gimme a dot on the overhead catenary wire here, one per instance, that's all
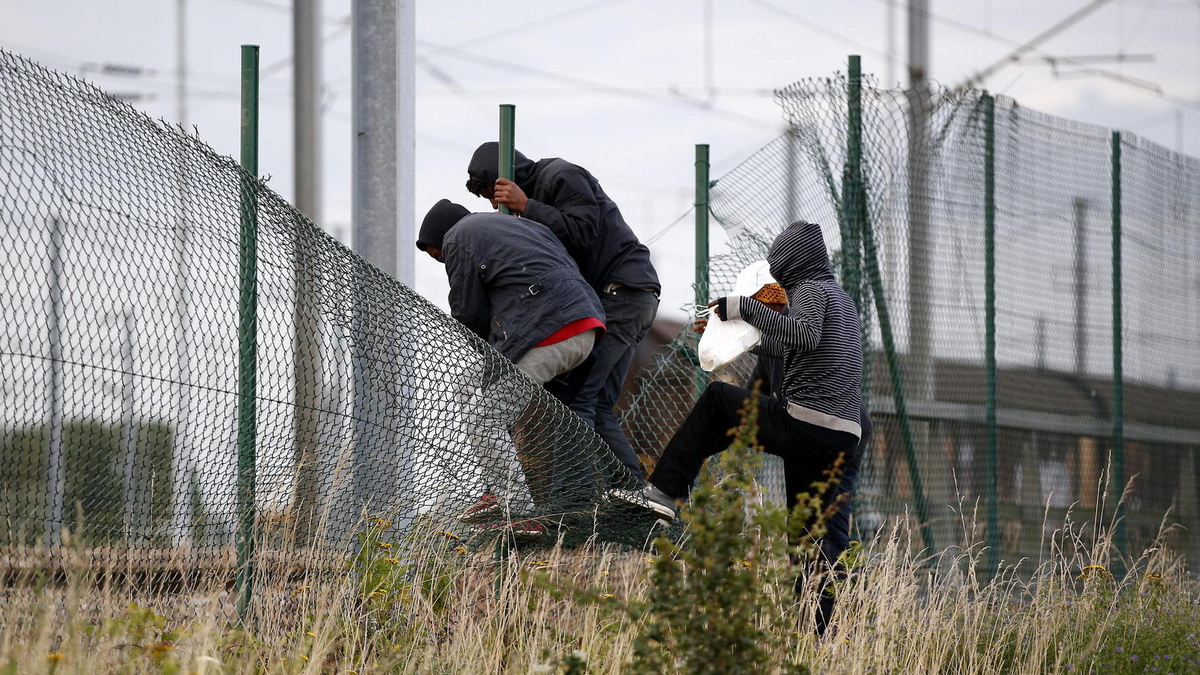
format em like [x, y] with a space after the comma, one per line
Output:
[599, 87]
[821, 30]
[1119, 78]
[659, 235]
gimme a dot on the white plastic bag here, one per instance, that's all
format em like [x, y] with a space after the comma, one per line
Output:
[724, 341]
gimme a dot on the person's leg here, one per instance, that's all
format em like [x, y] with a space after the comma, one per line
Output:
[702, 435]
[543, 364]
[837, 537]
[491, 415]
[629, 314]
[559, 473]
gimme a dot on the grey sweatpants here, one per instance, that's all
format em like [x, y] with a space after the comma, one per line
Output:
[546, 363]
[492, 411]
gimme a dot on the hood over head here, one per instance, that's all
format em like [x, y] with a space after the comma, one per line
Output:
[799, 254]
[485, 166]
[443, 216]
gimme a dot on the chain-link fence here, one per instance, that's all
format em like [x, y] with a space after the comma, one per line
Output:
[119, 434]
[1002, 449]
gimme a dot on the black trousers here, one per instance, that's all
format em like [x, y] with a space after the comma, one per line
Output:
[806, 449]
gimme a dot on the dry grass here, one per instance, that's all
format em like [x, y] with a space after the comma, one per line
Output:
[459, 612]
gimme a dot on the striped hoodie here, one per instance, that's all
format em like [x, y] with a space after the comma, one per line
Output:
[819, 340]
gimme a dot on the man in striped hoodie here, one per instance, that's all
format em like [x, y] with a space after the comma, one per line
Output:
[818, 417]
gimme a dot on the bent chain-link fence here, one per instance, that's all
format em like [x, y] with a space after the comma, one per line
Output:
[119, 432]
[119, 437]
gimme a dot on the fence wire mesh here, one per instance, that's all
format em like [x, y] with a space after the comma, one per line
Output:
[924, 181]
[121, 343]
[120, 371]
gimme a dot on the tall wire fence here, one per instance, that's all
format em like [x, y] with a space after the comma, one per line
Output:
[983, 242]
[121, 341]
[119, 428]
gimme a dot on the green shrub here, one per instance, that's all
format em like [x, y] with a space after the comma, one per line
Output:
[723, 600]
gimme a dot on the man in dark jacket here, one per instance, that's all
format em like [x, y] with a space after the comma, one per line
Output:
[817, 419]
[570, 202]
[513, 284]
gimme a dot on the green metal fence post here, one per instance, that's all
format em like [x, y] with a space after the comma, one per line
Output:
[247, 334]
[897, 381]
[508, 122]
[507, 170]
[1118, 412]
[848, 225]
[989, 285]
[701, 224]
[701, 210]
[853, 194]
[857, 233]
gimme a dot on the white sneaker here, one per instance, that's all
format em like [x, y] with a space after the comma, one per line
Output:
[650, 498]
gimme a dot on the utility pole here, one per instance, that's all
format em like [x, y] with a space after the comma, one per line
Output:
[890, 43]
[383, 72]
[919, 244]
[1079, 206]
[181, 62]
[793, 158]
[306, 341]
[306, 82]
[920, 380]
[375, 97]
[383, 141]
[709, 87]
[181, 469]
[132, 521]
[407, 149]
[1178, 131]
[56, 480]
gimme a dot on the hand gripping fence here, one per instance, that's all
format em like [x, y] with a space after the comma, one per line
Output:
[119, 437]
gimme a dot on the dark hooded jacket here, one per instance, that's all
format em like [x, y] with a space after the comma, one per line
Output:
[819, 339]
[569, 200]
[511, 281]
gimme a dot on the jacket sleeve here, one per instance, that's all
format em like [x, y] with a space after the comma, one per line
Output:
[469, 301]
[573, 214]
[799, 330]
[769, 348]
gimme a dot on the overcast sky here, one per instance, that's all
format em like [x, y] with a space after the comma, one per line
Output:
[617, 86]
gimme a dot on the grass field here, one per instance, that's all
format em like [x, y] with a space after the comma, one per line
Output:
[720, 601]
[897, 614]
[581, 610]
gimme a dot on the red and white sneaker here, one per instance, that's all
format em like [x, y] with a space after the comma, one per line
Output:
[526, 529]
[487, 508]
[521, 530]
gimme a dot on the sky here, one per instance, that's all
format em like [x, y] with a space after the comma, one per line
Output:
[618, 86]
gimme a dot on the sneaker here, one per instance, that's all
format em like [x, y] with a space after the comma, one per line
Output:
[526, 529]
[486, 508]
[521, 530]
[649, 498]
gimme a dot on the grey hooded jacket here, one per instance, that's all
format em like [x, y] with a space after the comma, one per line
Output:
[512, 282]
[819, 339]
